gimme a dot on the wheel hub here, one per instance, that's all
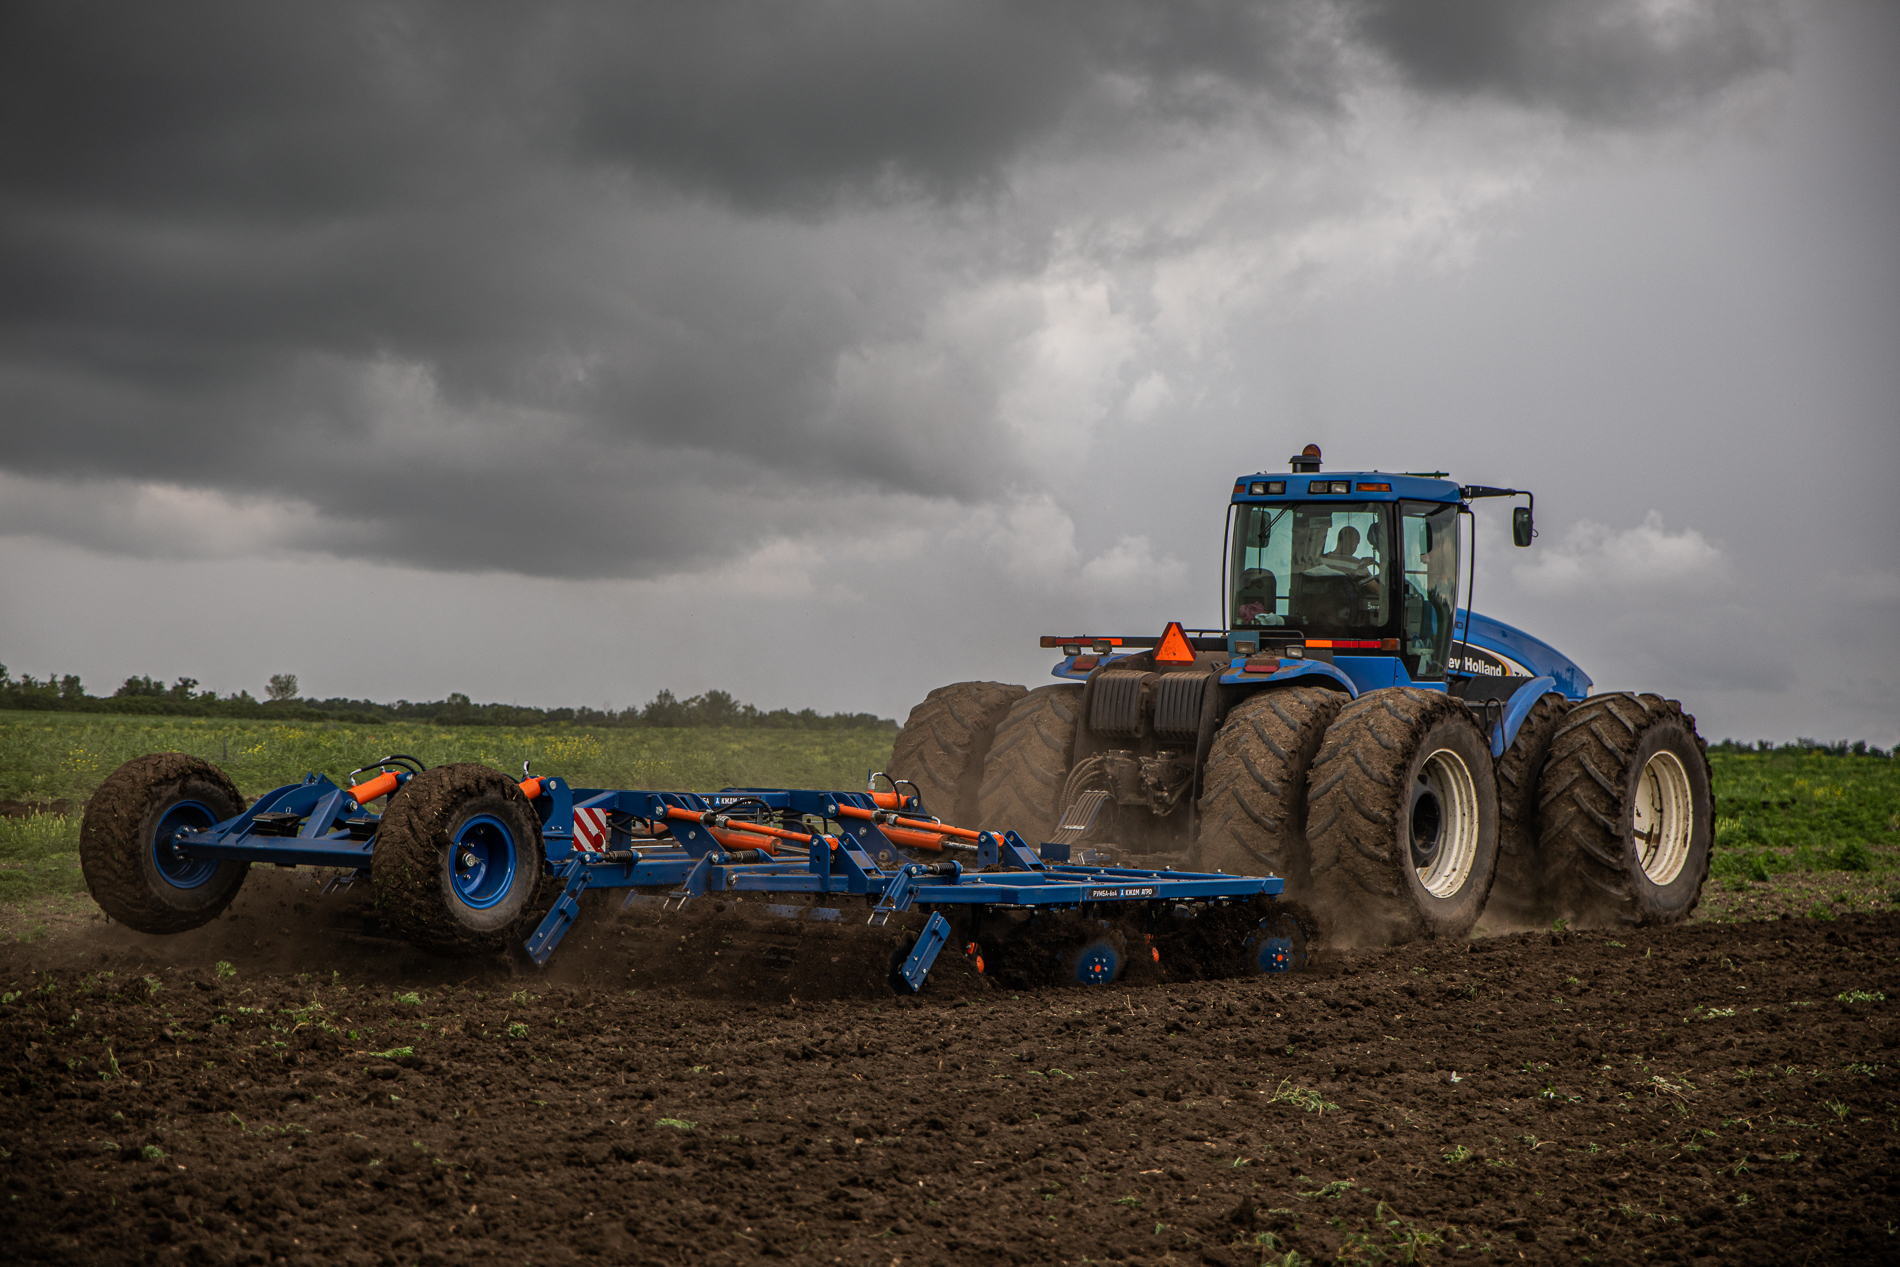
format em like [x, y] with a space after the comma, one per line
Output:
[1444, 824]
[1428, 820]
[482, 862]
[177, 870]
[1662, 818]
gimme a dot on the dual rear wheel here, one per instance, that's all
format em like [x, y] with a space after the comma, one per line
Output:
[1402, 832]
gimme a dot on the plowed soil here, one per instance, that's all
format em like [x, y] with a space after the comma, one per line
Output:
[698, 1089]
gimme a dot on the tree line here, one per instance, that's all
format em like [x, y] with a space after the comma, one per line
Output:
[182, 698]
[1804, 748]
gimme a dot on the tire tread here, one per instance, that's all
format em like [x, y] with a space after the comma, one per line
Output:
[111, 849]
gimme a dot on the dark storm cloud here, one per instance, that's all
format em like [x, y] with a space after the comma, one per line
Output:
[1619, 62]
[621, 288]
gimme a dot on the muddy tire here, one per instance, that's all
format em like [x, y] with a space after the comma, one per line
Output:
[1626, 816]
[1402, 819]
[1253, 808]
[1520, 894]
[124, 842]
[1029, 762]
[458, 862]
[944, 741]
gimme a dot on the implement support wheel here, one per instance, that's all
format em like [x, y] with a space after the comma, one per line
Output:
[1098, 961]
[1280, 943]
[459, 861]
[125, 843]
[944, 741]
[1626, 813]
[1402, 818]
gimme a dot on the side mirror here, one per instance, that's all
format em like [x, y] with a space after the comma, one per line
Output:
[1521, 529]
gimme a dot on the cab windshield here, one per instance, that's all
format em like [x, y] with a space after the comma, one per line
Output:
[1354, 571]
[1313, 566]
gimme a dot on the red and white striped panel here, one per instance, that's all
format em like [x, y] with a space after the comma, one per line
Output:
[590, 830]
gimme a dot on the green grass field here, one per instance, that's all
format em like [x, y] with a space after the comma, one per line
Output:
[1776, 813]
[1779, 812]
[53, 756]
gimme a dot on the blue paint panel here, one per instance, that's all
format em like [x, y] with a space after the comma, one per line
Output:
[1516, 709]
[1542, 659]
[1314, 673]
[1407, 487]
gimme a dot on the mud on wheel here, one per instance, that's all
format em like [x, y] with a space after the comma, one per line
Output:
[125, 843]
[458, 862]
[1520, 894]
[1253, 809]
[944, 742]
[1402, 816]
[1029, 762]
[1626, 813]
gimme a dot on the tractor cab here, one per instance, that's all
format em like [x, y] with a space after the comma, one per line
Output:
[1360, 562]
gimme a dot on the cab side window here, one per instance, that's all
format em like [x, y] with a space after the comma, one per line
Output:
[1429, 584]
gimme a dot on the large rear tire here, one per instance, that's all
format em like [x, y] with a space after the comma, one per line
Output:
[1029, 762]
[944, 741]
[1521, 893]
[125, 843]
[1402, 818]
[458, 861]
[1626, 812]
[1253, 808]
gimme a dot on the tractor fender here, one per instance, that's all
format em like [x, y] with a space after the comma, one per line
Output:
[1309, 672]
[1516, 709]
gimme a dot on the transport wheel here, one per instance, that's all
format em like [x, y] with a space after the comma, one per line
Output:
[1098, 961]
[1028, 763]
[943, 743]
[125, 843]
[458, 861]
[1625, 811]
[1519, 895]
[1402, 818]
[1253, 808]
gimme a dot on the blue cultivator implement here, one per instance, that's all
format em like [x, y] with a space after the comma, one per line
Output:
[463, 858]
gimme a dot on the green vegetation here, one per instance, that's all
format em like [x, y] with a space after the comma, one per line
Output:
[39, 856]
[60, 756]
[1795, 809]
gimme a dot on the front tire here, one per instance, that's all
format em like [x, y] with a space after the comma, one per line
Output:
[944, 742]
[458, 861]
[1402, 818]
[125, 843]
[1627, 815]
[1029, 763]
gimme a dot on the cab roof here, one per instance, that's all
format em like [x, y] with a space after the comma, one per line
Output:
[1362, 486]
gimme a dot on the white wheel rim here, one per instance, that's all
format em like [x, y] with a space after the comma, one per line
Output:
[1663, 818]
[1445, 781]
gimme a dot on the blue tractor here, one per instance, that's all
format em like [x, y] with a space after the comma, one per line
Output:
[1404, 764]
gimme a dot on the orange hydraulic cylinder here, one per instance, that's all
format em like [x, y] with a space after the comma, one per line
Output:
[382, 785]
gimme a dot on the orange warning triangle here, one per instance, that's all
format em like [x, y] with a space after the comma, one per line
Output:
[1174, 647]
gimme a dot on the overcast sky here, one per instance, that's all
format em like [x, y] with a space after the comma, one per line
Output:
[830, 352]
